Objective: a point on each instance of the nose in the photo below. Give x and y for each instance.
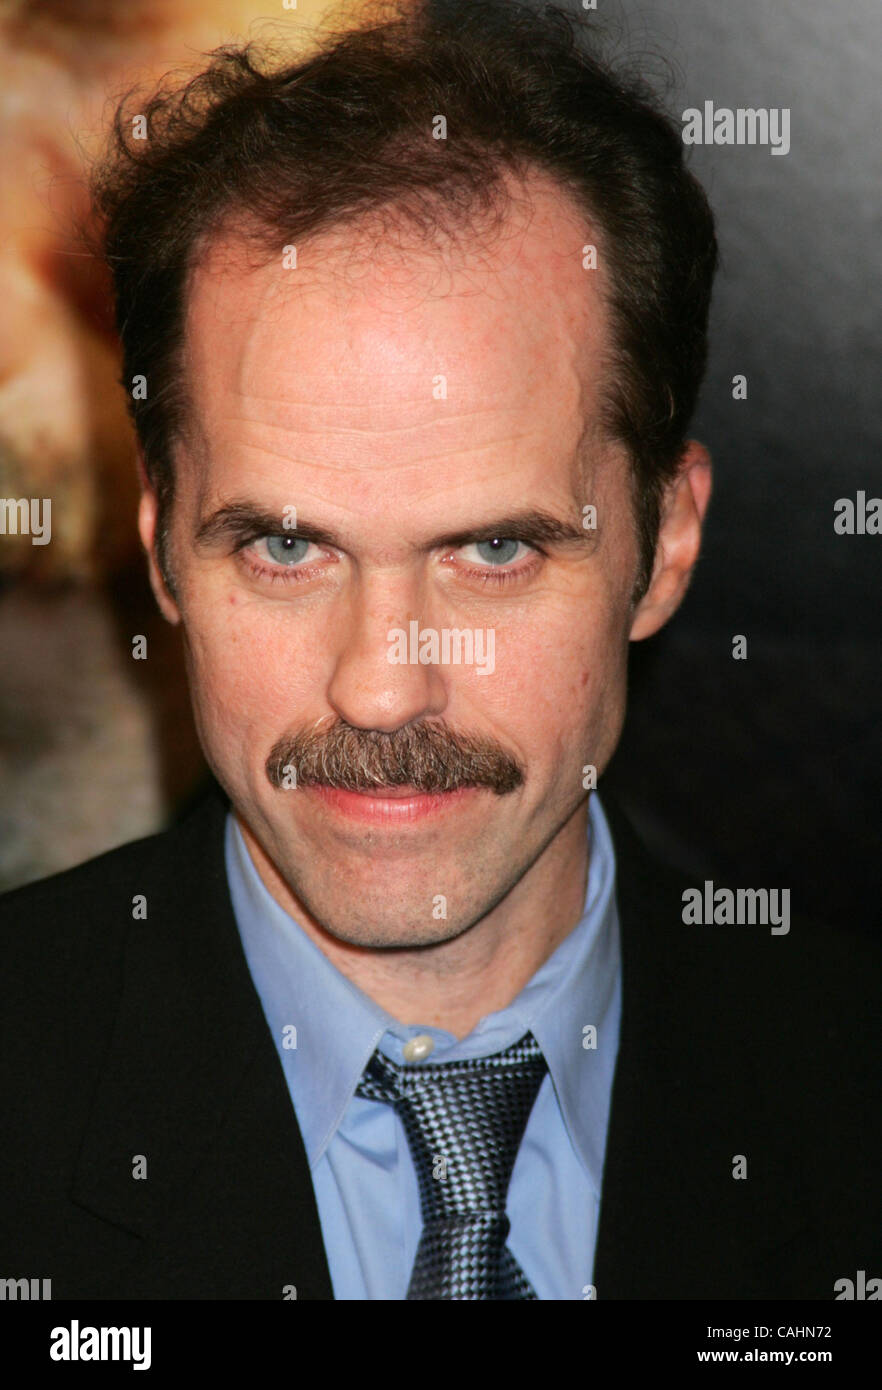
(368, 689)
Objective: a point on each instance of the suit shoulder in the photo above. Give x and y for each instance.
(116, 865)
(800, 982)
(86, 883)
(61, 935)
(98, 896)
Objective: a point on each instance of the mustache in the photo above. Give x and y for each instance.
(428, 756)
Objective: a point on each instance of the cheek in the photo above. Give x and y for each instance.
(560, 682)
(602, 683)
(251, 672)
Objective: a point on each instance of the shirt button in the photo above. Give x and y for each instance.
(418, 1048)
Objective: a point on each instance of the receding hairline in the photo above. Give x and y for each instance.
(240, 245)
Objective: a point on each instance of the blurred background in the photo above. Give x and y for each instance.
(763, 772)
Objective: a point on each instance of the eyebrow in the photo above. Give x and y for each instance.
(237, 523)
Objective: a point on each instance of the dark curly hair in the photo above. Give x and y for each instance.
(285, 149)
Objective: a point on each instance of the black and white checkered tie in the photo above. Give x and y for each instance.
(464, 1123)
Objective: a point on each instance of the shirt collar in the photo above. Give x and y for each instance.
(338, 1026)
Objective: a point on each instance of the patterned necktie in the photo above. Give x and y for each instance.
(464, 1123)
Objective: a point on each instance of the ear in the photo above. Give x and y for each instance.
(679, 541)
(147, 517)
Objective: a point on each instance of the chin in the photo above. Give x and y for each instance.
(391, 936)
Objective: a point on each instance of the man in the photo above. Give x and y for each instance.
(413, 332)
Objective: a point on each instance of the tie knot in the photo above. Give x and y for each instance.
(464, 1122)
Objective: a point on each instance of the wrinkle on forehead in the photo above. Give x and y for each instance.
(343, 353)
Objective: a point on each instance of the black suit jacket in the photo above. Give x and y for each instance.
(125, 1037)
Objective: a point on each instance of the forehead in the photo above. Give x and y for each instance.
(374, 342)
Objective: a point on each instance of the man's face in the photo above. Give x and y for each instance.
(396, 397)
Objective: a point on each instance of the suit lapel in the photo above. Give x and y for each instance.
(192, 1083)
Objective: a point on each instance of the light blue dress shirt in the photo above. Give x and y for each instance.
(364, 1179)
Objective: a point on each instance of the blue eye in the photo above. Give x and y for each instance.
(499, 551)
(285, 550)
